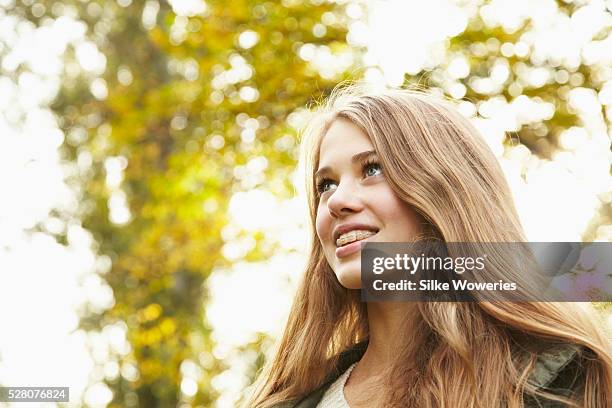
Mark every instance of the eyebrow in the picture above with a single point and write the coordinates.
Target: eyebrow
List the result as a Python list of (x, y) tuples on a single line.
[(359, 157)]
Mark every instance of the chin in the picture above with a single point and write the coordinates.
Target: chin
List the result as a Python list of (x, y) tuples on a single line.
[(350, 279)]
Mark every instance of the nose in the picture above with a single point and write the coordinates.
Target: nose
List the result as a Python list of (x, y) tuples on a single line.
[(344, 200)]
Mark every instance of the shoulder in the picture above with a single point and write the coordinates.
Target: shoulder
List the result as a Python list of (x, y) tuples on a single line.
[(344, 360), (558, 370)]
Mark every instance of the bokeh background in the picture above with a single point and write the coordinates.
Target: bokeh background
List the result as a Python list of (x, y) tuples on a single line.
[(152, 228)]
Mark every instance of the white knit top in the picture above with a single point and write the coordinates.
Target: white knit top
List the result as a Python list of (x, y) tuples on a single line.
[(334, 396)]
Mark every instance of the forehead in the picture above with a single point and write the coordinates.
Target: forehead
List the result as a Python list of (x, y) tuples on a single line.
[(343, 138)]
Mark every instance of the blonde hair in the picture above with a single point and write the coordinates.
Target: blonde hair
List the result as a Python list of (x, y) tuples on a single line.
[(459, 354)]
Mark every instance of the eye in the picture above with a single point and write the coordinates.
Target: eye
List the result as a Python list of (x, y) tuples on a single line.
[(322, 185), (372, 169), (369, 169)]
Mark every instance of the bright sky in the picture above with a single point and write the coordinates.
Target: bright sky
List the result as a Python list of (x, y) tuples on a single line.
[(42, 283)]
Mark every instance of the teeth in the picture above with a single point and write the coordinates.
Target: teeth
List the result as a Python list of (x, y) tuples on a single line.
[(351, 236)]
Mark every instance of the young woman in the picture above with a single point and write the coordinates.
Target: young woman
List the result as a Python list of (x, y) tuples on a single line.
[(399, 165)]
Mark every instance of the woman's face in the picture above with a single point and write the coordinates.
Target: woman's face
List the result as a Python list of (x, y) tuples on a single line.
[(355, 196)]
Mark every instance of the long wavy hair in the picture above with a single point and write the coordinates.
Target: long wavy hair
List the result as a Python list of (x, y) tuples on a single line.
[(468, 354)]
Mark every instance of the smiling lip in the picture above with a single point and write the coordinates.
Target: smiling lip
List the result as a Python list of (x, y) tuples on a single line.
[(341, 229), (351, 248)]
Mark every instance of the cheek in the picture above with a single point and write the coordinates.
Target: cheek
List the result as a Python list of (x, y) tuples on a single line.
[(322, 224), (400, 216)]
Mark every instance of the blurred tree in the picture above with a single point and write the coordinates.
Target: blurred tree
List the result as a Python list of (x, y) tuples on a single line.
[(192, 103), (497, 62)]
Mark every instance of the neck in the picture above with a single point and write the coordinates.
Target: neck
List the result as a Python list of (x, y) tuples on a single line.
[(388, 324)]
